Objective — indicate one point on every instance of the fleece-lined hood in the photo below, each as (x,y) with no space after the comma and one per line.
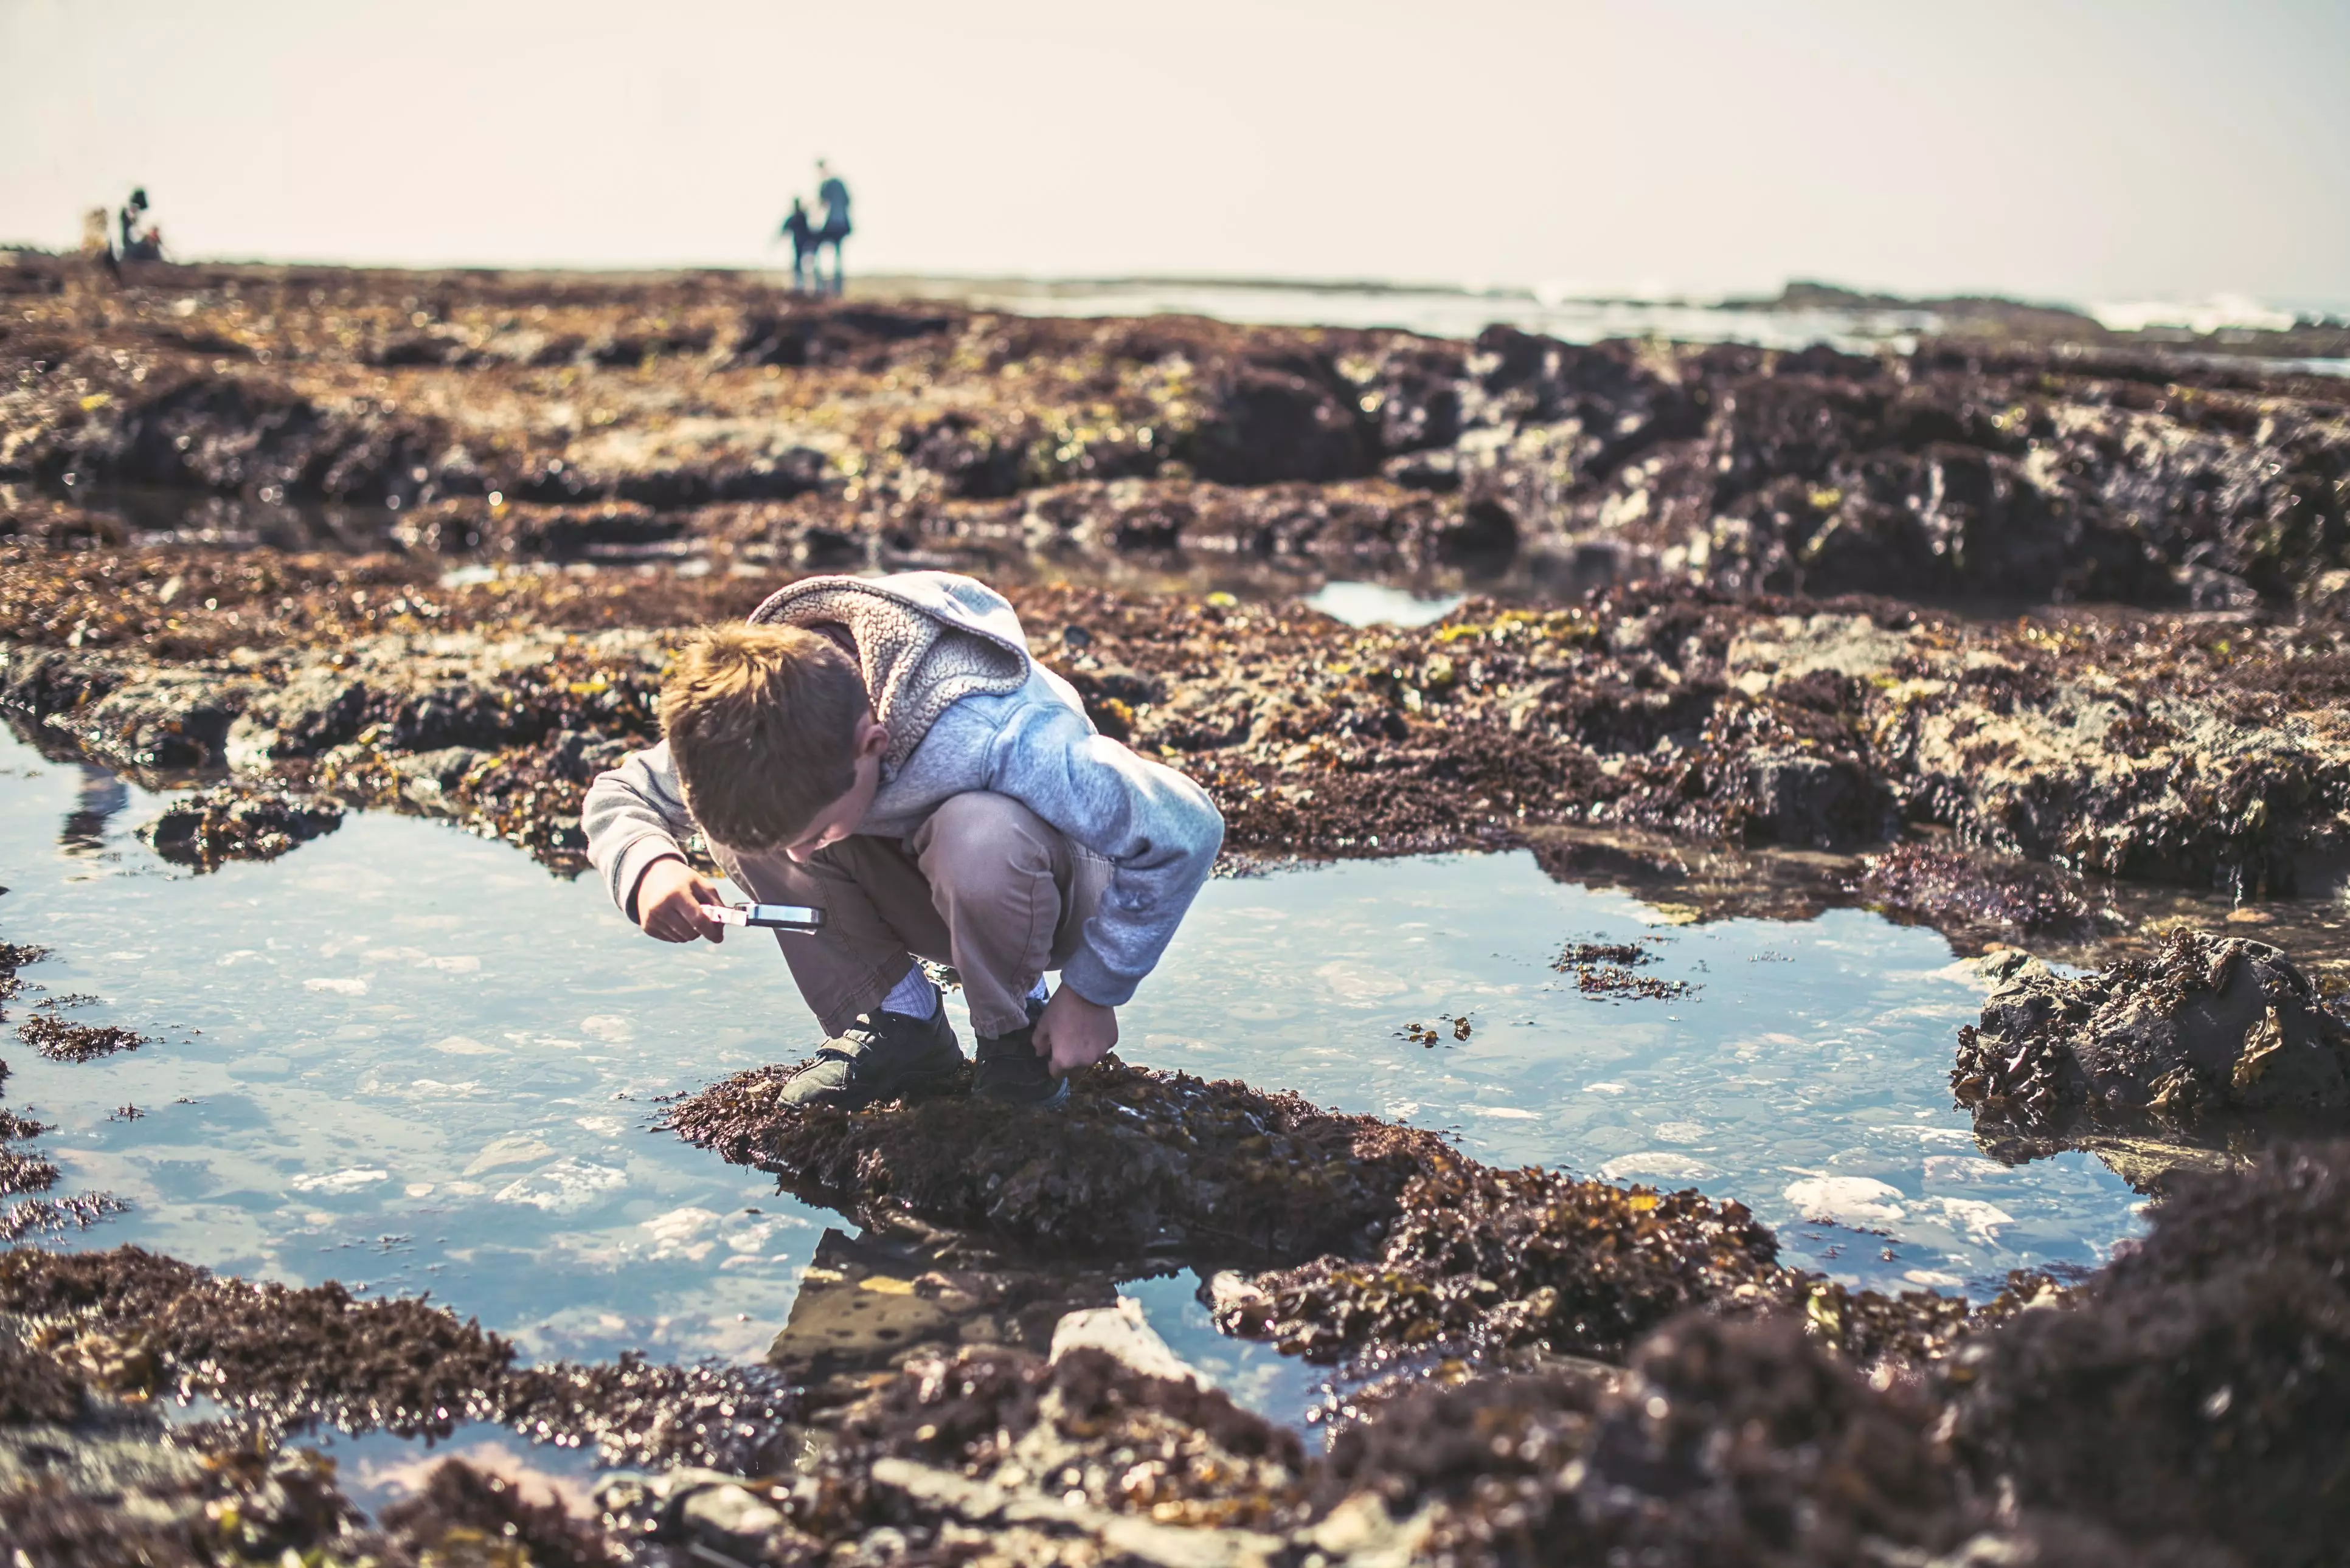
(926,641)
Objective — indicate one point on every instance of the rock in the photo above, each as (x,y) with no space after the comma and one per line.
(216,825)
(313,712)
(1286,418)
(429,778)
(174,719)
(579,756)
(2194,1389)
(1482,1261)
(1801,798)
(2206,1026)
(1139,1164)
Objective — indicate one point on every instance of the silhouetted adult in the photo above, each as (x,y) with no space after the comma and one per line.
(832,197)
(802,235)
(134,245)
(142,239)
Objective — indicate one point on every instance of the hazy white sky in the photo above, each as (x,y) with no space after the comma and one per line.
(2063,149)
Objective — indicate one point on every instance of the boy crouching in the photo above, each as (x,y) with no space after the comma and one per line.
(886,750)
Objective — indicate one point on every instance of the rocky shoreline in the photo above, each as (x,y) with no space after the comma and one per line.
(1729,644)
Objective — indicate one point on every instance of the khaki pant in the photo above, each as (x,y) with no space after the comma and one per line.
(984,884)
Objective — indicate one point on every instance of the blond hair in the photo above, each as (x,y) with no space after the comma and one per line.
(762,723)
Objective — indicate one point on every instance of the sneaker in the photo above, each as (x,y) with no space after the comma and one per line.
(1010,1071)
(881,1056)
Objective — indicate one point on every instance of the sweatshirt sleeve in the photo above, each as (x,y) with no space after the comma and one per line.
(634,815)
(1158,830)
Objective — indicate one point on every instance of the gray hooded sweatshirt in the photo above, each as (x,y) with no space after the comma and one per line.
(946,666)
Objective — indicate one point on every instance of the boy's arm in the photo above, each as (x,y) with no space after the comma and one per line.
(1158,830)
(634,817)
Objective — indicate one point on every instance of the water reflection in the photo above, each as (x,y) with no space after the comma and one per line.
(1376,604)
(101,798)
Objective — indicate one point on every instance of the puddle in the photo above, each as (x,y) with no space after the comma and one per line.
(410,1060)
(1376,604)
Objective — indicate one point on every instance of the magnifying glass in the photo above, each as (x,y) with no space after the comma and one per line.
(800,918)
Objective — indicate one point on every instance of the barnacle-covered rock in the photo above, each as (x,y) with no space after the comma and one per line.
(1485,1261)
(2207,1025)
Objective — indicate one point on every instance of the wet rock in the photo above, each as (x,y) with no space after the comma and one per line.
(578,755)
(237,431)
(1073,1422)
(216,825)
(427,776)
(1965,468)
(286,1359)
(2206,1026)
(35,1387)
(24,1173)
(2193,1391)
(1126,1336)
(40,681)
(175,719)
(1489,1260)
(1139,1163)
(97,1486)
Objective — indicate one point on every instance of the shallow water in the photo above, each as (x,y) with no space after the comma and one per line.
(410,1059)
(1379,604)
(1458,313)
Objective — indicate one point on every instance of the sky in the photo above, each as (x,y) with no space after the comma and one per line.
(2061,149)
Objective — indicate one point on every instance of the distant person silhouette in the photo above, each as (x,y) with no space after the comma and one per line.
(802,233)
(833,196)
(138,243)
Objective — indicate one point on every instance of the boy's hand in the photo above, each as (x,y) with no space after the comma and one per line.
(1075,1032)
(669,897)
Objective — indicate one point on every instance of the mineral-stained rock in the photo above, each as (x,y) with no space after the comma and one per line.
(2204,1026)
(1137,1163)
(227,822)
